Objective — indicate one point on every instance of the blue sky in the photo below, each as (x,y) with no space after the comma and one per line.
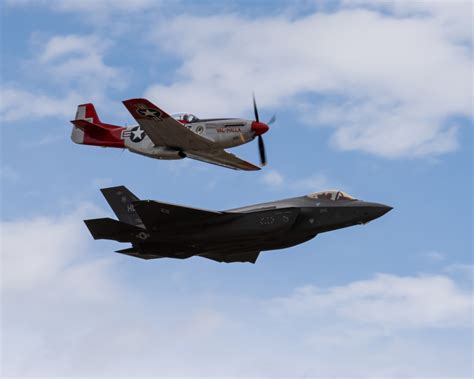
(372,98)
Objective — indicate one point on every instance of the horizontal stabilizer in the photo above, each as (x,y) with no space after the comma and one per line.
(154,213)
(107,228)
(88,133)
(89,127)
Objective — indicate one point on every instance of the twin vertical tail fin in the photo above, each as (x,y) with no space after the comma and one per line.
(89,130)
(121,201)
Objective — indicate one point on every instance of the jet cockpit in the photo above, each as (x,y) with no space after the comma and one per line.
(333,195)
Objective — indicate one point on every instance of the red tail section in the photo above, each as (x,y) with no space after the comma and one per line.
(89,130)
(87,112)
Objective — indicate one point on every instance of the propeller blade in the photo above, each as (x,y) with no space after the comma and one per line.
(261,150)
(255,108)
(272,120)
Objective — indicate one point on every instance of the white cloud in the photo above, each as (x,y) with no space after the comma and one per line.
(79,60)
(272,178)
(34,251)
(453,16)
(72,63)
(387,301)
(19,104)
(388,84)
(67,311)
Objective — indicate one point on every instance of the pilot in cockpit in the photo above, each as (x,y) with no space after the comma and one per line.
(333,195)
(185,118)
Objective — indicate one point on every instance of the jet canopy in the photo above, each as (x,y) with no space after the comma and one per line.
(185,117)
(333,195)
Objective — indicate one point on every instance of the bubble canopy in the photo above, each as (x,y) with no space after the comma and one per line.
(333,195)
(185,117)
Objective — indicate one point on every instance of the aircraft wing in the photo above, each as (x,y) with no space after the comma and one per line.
(163,129)
(245,256)
(155,213)
(222,158)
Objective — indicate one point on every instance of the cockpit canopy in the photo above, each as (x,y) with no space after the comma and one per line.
(333,195)
(185,117)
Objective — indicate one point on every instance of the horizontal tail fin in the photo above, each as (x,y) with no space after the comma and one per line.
(88,133)
(89,130)
(107,228)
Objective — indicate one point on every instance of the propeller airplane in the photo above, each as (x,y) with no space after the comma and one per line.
(161,136)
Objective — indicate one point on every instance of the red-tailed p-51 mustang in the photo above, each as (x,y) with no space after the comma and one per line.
(159,135)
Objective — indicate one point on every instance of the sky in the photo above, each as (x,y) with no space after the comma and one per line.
(373,98)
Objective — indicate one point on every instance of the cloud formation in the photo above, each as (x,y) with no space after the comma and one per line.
(390,85)
(67,310)
(74,64)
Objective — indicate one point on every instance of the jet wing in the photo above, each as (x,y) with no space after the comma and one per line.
(163,129)
(154,213)
(131,251)
(222,158)
(246,256)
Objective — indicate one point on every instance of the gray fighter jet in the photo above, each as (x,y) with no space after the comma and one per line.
(161,230)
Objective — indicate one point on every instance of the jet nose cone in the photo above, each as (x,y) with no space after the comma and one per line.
(384,209)
(259,128)
(373,211)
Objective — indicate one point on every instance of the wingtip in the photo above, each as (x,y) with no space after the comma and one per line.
(133,100)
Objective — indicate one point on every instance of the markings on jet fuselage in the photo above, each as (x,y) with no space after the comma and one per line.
(143,235)
(269,220)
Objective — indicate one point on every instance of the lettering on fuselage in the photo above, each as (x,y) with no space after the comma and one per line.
(269,220)
(228,130)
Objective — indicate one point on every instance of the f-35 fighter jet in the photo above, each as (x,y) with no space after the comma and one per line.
(161,230)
